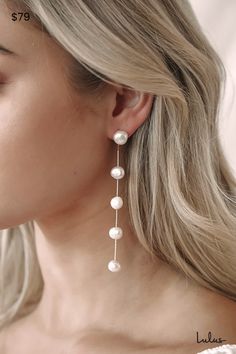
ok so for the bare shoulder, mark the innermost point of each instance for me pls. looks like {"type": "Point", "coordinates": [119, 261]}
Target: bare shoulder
{"type": "Point", "coordinates": [195, 319]}
{"type": "Point", "coordinates": [222, 314]}
{"type": "Point", "coordinates": [210, 321]}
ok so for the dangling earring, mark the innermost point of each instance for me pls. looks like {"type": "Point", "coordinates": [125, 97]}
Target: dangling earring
{"type": "Point", "coordinates": [117, 172]}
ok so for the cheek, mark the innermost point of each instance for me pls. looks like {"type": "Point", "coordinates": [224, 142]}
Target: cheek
{"type": "Point", "coordinates": [38, 153]}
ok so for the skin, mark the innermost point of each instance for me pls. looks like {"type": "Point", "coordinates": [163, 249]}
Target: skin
{"type": "Point", "coordinates": [55, 169]}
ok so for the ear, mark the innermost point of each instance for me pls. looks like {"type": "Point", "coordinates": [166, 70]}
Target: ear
{"type": "Point", "coordinates": [129, 111]}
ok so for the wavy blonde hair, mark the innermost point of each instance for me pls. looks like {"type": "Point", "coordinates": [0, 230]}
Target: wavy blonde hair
{"type": "Point", "coordinates": [180, 189]}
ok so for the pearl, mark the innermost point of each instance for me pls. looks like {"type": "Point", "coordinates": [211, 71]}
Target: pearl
{"type": "Point", "coordinates": [116, 233]}
{"type": "Point", "coordinates": [116, 202]}
{"type": "Point", "coordinates": [114, 266]}
{"type": "Point", "coordinates": [120, 137]}
{"type": "Point", "coordinates": [117, 172]}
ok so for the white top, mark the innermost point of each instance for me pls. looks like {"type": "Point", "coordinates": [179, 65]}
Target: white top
{"type": "Point", "coordinates": [223, 349]}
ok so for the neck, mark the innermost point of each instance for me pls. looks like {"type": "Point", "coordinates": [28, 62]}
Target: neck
{"type": "Point", "coordinates": [74, 248]}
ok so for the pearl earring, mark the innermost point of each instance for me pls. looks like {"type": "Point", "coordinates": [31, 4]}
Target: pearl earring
{"type": "Point", "coordinates": [117, 172]}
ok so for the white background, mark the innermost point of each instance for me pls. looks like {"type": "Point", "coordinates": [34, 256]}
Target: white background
{"type": "Point", "coordinates": [218, 21]}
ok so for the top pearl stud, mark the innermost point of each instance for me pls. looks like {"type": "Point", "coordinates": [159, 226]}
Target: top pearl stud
{"type": "Point", "coordinates": [120, 137]}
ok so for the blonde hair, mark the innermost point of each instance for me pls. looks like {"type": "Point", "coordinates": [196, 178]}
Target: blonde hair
{"type": "Point", "coordinates": [180, 190]}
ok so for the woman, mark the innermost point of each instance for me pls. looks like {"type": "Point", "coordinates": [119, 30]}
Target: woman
{"type": "Point", "coordinates": [87, 86]}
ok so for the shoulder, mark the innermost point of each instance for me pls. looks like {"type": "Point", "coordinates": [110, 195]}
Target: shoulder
{"type": "Point", "coordinates": [211, 315]}
{"type": "Point", "coordinates": [199, 320]}
{"type": "Point", "coordinates": [220, 318]}
{"type": "Point", "coordinates": [216, 327]}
